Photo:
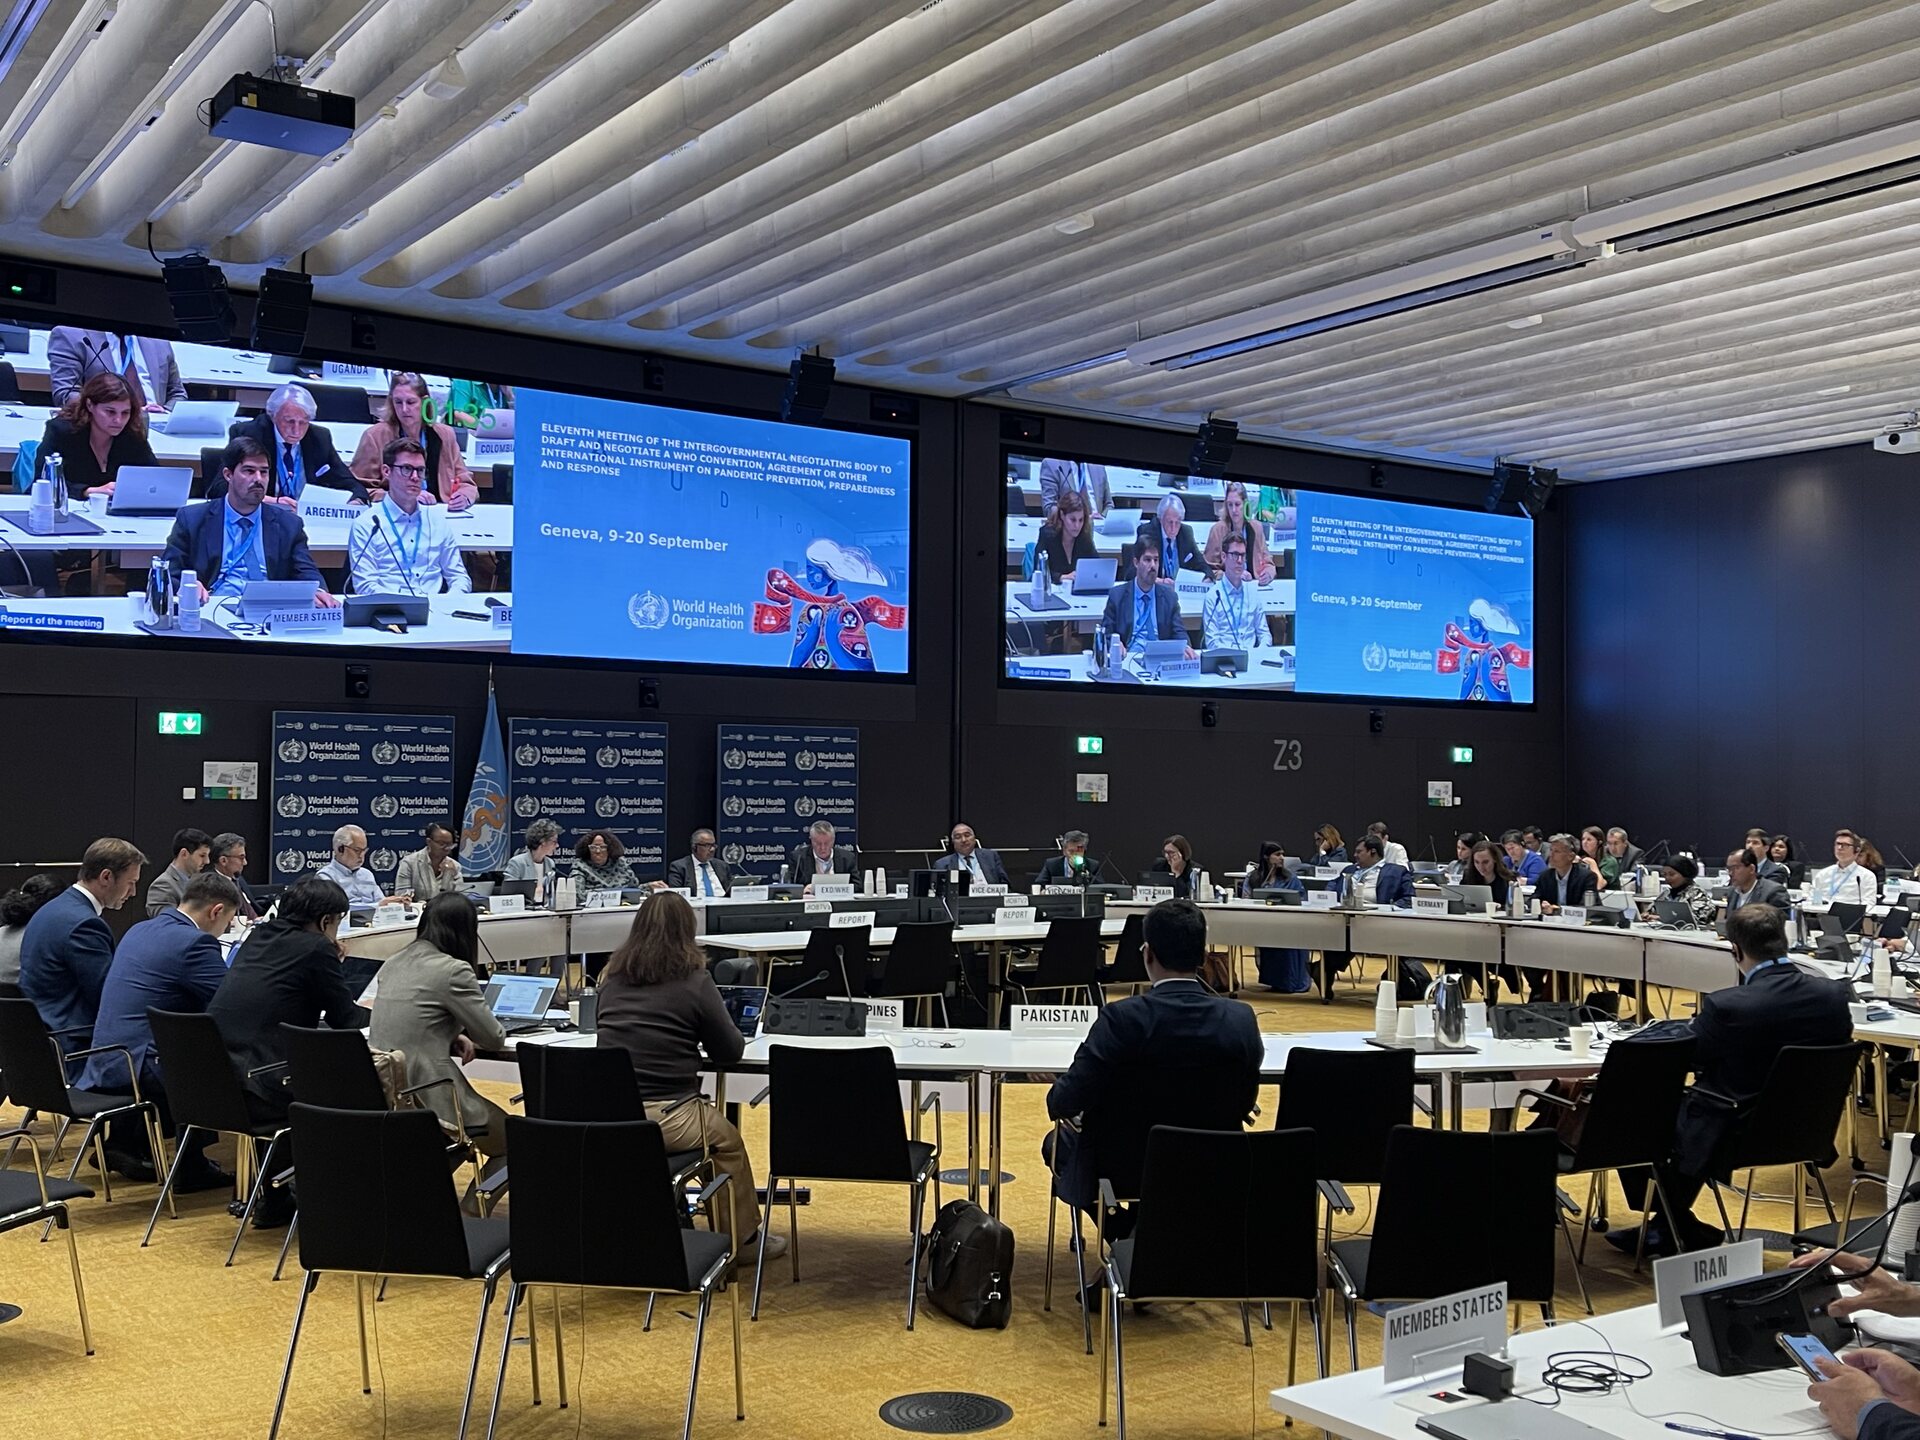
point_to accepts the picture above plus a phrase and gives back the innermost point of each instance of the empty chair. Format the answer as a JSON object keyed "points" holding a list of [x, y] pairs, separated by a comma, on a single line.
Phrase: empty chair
{"points": [[582, 1082], [1456, 1210], [1129, 965], [1070, 958], [835, 962], [34, 1199], [562, 1239], [36, 1077], [1792, 1122], [333, 1068], [346, 403], [1353, 1100], [836, 1116], [920, 964], [204, 1092], [1627, 1125], [1257, 1245], [376, 1200]]}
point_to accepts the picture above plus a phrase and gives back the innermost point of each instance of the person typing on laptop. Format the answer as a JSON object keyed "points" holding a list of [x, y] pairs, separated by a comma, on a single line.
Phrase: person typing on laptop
{"points": [[98, 430], [1066, 538], [239, 539]]}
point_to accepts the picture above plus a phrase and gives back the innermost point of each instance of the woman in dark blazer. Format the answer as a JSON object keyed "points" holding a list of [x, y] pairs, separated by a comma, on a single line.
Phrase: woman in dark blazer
{"points": [[1176, 862], [1067, 536], [1282, 970], [96, 432], [1328, 847]]}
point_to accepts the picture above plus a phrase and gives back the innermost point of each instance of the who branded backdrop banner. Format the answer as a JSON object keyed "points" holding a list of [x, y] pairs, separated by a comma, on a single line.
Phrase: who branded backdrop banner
{"points": [[645, 533], [388, 774], [775, 781], [592, 775]]}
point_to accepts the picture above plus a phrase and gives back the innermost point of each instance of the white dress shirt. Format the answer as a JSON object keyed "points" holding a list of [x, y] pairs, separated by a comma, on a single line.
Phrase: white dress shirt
{"points": [[705, 881], [393, 553], [1394, 853], [1232, 617], [1850, 884], [92, 899]]}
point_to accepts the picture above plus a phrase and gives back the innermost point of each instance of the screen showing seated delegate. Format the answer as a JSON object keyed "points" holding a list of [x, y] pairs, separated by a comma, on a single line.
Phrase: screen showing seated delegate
{"points": [[578, 528], [1336, 594]]}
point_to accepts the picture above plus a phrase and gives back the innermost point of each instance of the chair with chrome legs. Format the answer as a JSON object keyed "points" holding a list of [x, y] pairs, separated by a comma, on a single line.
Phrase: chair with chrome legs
{"points": [[36, 1071], [836, 1116], [1129, 965], [1792, 1122], [1070, 959], [573, 1174], [1626, 1124], [376, 1199], [33, 1200], [1457, 1210], [204, 1092], [1257, 1243]]}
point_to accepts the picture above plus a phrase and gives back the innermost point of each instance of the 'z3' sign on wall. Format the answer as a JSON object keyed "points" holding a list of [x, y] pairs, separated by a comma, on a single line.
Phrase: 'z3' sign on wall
{"points": [[1286, 754]]}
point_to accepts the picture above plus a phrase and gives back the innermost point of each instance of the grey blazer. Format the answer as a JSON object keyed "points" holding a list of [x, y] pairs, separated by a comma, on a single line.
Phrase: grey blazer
{"points": [[416, 874], [165, 891], [75, 356], [425, 1001]]}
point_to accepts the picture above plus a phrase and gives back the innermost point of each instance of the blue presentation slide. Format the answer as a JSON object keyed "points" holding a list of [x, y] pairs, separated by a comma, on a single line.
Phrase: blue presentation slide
{"points": [[644, 533], [1413, 601]]}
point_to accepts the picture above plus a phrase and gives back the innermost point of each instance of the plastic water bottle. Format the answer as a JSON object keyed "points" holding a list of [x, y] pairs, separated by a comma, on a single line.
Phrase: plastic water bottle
{"points": [[1039, 594], [189, 602]]}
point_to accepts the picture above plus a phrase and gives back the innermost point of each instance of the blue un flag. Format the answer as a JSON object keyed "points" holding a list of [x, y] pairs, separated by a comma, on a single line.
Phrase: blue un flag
{"points": [[483, 829]]}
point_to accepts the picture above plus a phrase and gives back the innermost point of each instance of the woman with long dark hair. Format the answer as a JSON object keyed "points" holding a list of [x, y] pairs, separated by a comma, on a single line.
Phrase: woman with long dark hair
{"points": [[1283, 971], [431, 1005], [659, 1004]]}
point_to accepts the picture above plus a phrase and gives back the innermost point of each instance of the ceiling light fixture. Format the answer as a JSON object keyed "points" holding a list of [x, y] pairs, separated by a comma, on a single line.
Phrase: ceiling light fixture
{"points": [[1075, 224], [447, 81], [1526, 322], [1667, 7]]}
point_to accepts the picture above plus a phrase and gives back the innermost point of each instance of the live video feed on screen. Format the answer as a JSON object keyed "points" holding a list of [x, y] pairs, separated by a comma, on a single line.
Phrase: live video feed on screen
{"points": [[203, 493], [1127, 576]]}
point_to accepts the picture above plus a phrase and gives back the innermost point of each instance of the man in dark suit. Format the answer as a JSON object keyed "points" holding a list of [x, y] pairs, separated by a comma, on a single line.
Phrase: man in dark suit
{"points": [[302, 452], [237, 538], [75, 356], [1174, 1055], [229, 855], [703, 872], [820, 856], [1563, 882], [1168, 533], [1738, 1032], [1745, 886], [171, 962], [1389, 884], [66, 949], [1141, 605], [1069, 867], [970, 855]]}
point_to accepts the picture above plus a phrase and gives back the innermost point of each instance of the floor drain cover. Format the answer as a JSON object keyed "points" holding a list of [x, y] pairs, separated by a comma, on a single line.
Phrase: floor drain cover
{"points": [[959, 1177], [945, 1412], [13, 1312]]}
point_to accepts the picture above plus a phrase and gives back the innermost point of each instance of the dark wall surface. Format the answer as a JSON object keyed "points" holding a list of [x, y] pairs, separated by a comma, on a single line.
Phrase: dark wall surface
{"points": [[1740, 651], [950, 742]]}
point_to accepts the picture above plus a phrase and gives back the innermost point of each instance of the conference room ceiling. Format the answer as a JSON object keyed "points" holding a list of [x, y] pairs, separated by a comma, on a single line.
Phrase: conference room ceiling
{"points": [[960, 196]]}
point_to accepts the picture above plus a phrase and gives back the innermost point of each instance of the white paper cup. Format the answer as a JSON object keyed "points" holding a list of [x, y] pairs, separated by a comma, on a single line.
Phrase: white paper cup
{"points": [[1405, 1030], [97, 504], [1581, 1038]]}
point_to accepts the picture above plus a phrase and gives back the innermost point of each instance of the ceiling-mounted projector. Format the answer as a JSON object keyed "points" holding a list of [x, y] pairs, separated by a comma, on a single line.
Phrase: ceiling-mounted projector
{"points": [[255, 110]]}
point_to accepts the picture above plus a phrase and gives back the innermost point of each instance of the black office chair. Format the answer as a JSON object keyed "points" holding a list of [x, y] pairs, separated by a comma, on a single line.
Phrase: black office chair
{"points": [[347, 404], [1257, 1247], [1070, 958], [33, 1200], [1629, 1114], [591, 1210], [1129, 965], [376, 1200], [836, 1116], [210, 483], [835, 962], [1353, 1100], [920, 964], [1116, 1131], [36, 1071], [1489, 1197], [204, 1092], [10, 395], [1792, 1121]]}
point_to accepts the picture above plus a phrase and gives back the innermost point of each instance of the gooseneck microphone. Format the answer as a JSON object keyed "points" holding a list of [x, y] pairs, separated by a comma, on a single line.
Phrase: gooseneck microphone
{"points": [[394, 551]]}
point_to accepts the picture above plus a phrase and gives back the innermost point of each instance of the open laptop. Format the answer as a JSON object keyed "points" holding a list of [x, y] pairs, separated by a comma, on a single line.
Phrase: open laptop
{"points": [[519, 1002], [150, 490], [260, 598], [495, 424], [1094, 575], [1676, 913], [744, 1004], [201, 417]]}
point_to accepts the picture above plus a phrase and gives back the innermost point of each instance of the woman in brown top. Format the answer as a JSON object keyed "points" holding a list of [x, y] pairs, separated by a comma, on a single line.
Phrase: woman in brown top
{"points": [[1235, 525], [658, 1003], [407, 396]]}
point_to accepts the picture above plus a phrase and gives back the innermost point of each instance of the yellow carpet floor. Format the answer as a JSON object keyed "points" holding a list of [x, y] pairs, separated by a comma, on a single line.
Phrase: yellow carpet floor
{"points": [[187, 1347]]}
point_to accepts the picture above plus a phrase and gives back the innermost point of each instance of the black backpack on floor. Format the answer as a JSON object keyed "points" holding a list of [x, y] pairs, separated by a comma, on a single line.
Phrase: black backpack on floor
{"points": [[970, 1266]]}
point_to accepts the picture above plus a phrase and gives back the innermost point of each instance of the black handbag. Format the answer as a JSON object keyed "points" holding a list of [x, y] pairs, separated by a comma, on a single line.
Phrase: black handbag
{"points": [[970, 1266]]}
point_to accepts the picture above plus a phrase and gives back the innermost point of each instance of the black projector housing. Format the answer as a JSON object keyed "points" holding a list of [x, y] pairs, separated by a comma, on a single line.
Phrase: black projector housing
{"points": [[257, 111]]}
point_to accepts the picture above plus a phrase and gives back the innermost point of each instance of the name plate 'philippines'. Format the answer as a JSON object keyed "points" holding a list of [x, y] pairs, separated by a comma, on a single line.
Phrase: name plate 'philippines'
{"points": [[1436, 1335]]}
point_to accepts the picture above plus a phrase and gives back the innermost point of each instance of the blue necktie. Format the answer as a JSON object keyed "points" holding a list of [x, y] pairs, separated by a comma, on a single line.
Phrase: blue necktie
{"points": [[242, 564], [706, 879], [1142, 616]]}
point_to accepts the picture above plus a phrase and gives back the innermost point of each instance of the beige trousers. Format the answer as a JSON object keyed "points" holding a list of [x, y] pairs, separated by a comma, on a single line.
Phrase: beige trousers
{"points": [[690, 1124]]}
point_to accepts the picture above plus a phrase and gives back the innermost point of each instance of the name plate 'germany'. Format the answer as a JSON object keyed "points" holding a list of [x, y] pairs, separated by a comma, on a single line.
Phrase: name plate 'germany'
{"points": [[1429, 904]]}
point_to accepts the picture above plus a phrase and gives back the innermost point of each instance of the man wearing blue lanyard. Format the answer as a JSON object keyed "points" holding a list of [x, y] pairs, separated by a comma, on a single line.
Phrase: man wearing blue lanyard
{"points": [[1737, 1032], [402, 546], [236, 539], [1232, 617], [1142, 609]]}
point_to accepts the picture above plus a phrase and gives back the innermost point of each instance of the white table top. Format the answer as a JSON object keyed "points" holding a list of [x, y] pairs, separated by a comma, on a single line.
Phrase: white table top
{"points": [[1275, 599], [479, 527], [1360, 1407], [445, 630], [773, 941]]}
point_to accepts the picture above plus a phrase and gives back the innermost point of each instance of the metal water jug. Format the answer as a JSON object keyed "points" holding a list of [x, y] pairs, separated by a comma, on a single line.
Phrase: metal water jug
{"points": [[1449, 1000]]}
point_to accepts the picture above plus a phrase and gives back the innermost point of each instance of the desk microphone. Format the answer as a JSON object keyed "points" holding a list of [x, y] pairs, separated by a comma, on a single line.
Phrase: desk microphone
{"points": [[494, 602], [1652, 852]]}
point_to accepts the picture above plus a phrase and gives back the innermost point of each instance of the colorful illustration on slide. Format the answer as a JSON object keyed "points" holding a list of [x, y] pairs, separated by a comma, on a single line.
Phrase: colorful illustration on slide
{"points": [[1471, 651], [829, 628]]}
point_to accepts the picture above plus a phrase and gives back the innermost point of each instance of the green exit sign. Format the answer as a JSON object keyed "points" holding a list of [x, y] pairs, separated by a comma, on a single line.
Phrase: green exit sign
{"points": [[179, 722], [1463, 754], [1089, 744]]}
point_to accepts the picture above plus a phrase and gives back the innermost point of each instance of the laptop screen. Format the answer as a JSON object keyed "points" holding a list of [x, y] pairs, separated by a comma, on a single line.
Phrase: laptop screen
{"points": [[520, 997], [744, 1004]]}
